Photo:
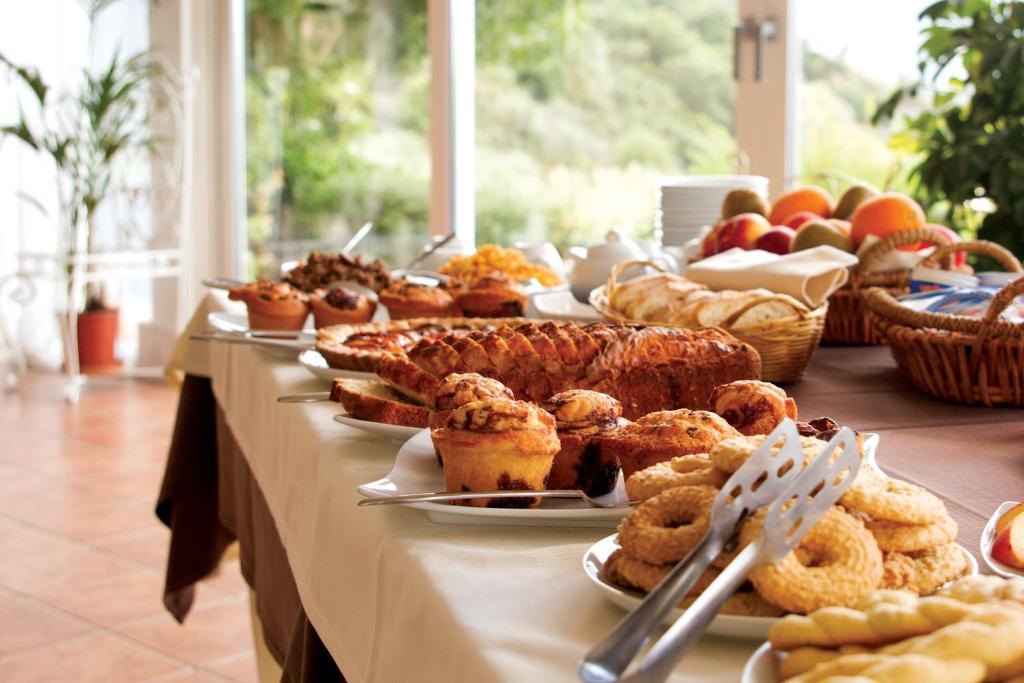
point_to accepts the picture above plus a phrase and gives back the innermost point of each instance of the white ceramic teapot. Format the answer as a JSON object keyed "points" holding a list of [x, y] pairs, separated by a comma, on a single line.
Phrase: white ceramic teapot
{"points": [[589, 267]]}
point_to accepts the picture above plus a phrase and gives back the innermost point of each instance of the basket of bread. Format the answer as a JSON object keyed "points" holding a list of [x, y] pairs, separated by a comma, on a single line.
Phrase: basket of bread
{"points": [[959, 344], [784, 331]]}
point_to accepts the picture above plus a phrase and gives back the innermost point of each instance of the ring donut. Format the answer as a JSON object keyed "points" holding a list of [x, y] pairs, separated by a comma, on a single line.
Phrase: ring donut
{"points": [[836, 563], [685, 470], [893, 537], [665, 528], [892, 500], [625, 570], [729, 454]]}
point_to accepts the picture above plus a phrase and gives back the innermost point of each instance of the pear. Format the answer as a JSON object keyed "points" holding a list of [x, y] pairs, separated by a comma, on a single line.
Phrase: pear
{"points": [[817, 233], [743, 201], [854, 196]]}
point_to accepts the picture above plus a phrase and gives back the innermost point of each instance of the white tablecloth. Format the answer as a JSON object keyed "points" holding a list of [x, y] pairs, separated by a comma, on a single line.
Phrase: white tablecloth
{"points": [[393, 596]]}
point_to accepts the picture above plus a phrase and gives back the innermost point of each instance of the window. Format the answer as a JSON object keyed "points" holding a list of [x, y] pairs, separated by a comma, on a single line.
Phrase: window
{"points": [[581, 106], [336, 99]]}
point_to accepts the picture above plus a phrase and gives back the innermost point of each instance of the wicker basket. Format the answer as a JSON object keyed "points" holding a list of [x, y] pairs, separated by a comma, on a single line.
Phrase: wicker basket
{"points": [[954, 357], [849, 321], [786, 345]]}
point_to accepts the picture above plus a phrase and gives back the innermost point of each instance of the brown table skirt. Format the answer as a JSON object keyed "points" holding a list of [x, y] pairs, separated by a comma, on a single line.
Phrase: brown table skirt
{"points": [[209, 499]]}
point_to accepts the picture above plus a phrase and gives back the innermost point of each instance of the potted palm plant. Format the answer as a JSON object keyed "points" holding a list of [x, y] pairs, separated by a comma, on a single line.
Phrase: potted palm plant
{"points": [[86, 132]]}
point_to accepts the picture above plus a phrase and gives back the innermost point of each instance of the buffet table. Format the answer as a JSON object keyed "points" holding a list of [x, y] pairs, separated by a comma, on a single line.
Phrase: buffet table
{"points": [[385, 594]]}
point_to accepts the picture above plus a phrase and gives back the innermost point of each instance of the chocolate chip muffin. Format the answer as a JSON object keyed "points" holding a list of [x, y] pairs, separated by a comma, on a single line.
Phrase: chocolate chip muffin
{"points": [[581, 417]]}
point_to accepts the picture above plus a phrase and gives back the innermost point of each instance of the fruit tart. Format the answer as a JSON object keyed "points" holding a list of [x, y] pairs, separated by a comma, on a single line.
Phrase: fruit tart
{"points": [[272, 305], [497, 444]]}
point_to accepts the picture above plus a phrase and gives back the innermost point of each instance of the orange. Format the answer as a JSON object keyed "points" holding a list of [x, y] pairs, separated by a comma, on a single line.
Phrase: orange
{"points": [[883, 214], [807, 198]]}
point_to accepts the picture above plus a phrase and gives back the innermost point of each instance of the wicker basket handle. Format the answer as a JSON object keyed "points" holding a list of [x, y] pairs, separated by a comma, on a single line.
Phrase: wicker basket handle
{"points": [[619, 268], [998, 253], [757, 301], [895, 240]]}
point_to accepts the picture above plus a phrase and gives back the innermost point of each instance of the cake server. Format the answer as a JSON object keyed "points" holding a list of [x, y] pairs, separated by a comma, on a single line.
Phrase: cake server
{"points": [[310, 397], [796, 498], [233, 338], [438, 496], [358, 237], [222, 283]]}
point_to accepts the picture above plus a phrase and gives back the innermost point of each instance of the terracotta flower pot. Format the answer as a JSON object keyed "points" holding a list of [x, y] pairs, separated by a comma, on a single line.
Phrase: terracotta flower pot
{"points": [[97, 332]]}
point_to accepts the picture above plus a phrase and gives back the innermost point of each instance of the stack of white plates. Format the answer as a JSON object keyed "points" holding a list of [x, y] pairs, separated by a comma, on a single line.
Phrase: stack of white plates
{"points": [[688, 203]]}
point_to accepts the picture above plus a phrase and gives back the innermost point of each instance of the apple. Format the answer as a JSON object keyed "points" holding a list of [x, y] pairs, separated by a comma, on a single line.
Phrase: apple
{"points": [[1008, 547], [960, 258], [709, 245], [1009, 516], [778, 240], [742, 231], [801, 217]]}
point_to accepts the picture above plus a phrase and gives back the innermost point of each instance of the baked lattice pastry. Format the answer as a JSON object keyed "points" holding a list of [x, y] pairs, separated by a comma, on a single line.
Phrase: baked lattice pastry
{"points": [[646, 368]]}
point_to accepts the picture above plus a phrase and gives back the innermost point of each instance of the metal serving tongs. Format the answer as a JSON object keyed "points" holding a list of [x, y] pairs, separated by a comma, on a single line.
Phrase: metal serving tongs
{"points": [[796, 497]]}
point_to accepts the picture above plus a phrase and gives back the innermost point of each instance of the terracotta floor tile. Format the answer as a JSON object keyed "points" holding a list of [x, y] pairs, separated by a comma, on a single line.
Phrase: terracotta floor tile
{"points": [[26, 495], [27, 623], [212, 632], [56, 564], [191, 675], [141, 485], [96, 658], [122, 599], [149, 545], [89, 522], [240, 667]]}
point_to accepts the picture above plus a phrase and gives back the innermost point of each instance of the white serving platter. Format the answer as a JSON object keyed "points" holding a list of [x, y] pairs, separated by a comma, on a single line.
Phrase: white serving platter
{"points": [[315, 363], [388, 431], [239, 323], [416, 470], [988, 537], [560, 304]]}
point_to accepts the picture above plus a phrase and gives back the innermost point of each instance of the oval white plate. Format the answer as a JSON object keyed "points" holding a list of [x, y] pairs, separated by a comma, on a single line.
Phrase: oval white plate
{"points": [[988, 537], [733, 626], [239, 322], [416, 471], [315, 363], [397, 432]]}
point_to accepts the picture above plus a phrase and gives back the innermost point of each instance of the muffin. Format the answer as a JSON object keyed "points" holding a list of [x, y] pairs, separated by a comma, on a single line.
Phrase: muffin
{"points": [[405, 299], [272, 305], [580, 417], [497, 444], [458, 389], [339, 305], [493, 296], [657, 437]]}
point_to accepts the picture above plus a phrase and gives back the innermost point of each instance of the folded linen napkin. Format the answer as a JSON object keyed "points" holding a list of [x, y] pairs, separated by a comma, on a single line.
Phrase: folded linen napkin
{"points": [[809, 276]]}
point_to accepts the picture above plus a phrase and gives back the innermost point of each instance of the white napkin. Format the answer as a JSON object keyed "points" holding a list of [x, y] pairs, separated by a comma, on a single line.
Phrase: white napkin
{"points": [[810, 275]]}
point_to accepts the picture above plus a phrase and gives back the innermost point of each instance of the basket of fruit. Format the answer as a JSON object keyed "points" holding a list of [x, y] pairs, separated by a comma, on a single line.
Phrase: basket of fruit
{"points": [[956, 357], [784, 331]]}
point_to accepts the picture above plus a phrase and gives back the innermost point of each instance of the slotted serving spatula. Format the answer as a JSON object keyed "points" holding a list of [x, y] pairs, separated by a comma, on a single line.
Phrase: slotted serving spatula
{"points": [[796, 497]]}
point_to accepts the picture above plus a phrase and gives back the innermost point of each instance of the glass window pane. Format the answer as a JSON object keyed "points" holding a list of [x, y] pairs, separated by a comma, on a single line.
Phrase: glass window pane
{"points": [[337, 122], [582, 105], [852, 61]]}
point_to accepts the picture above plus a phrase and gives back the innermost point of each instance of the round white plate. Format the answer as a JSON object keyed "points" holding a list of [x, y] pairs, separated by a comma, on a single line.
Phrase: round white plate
{"points": [[762, 667], [416, 471], [239, 322], [988, 537], [733, 626], [315, 363], [397, 432]]}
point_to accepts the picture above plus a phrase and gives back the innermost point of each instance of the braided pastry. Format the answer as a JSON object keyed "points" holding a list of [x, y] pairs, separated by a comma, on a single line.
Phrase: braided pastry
{"points": [[858, 668], [981, 588], [874, 624], [752, 406]]}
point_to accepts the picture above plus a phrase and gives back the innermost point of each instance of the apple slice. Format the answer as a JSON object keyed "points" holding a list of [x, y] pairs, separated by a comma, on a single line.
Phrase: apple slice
{"points": [[1008, 516], [1008, 546]]}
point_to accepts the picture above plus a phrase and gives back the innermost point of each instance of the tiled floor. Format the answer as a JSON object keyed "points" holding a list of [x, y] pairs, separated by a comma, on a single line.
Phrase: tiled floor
{"points": [[82, 554]]}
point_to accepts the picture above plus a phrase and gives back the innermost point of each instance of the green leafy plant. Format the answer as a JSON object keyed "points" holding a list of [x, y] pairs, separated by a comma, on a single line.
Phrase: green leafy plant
{"points": [[85, 132], [971, 139]]}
